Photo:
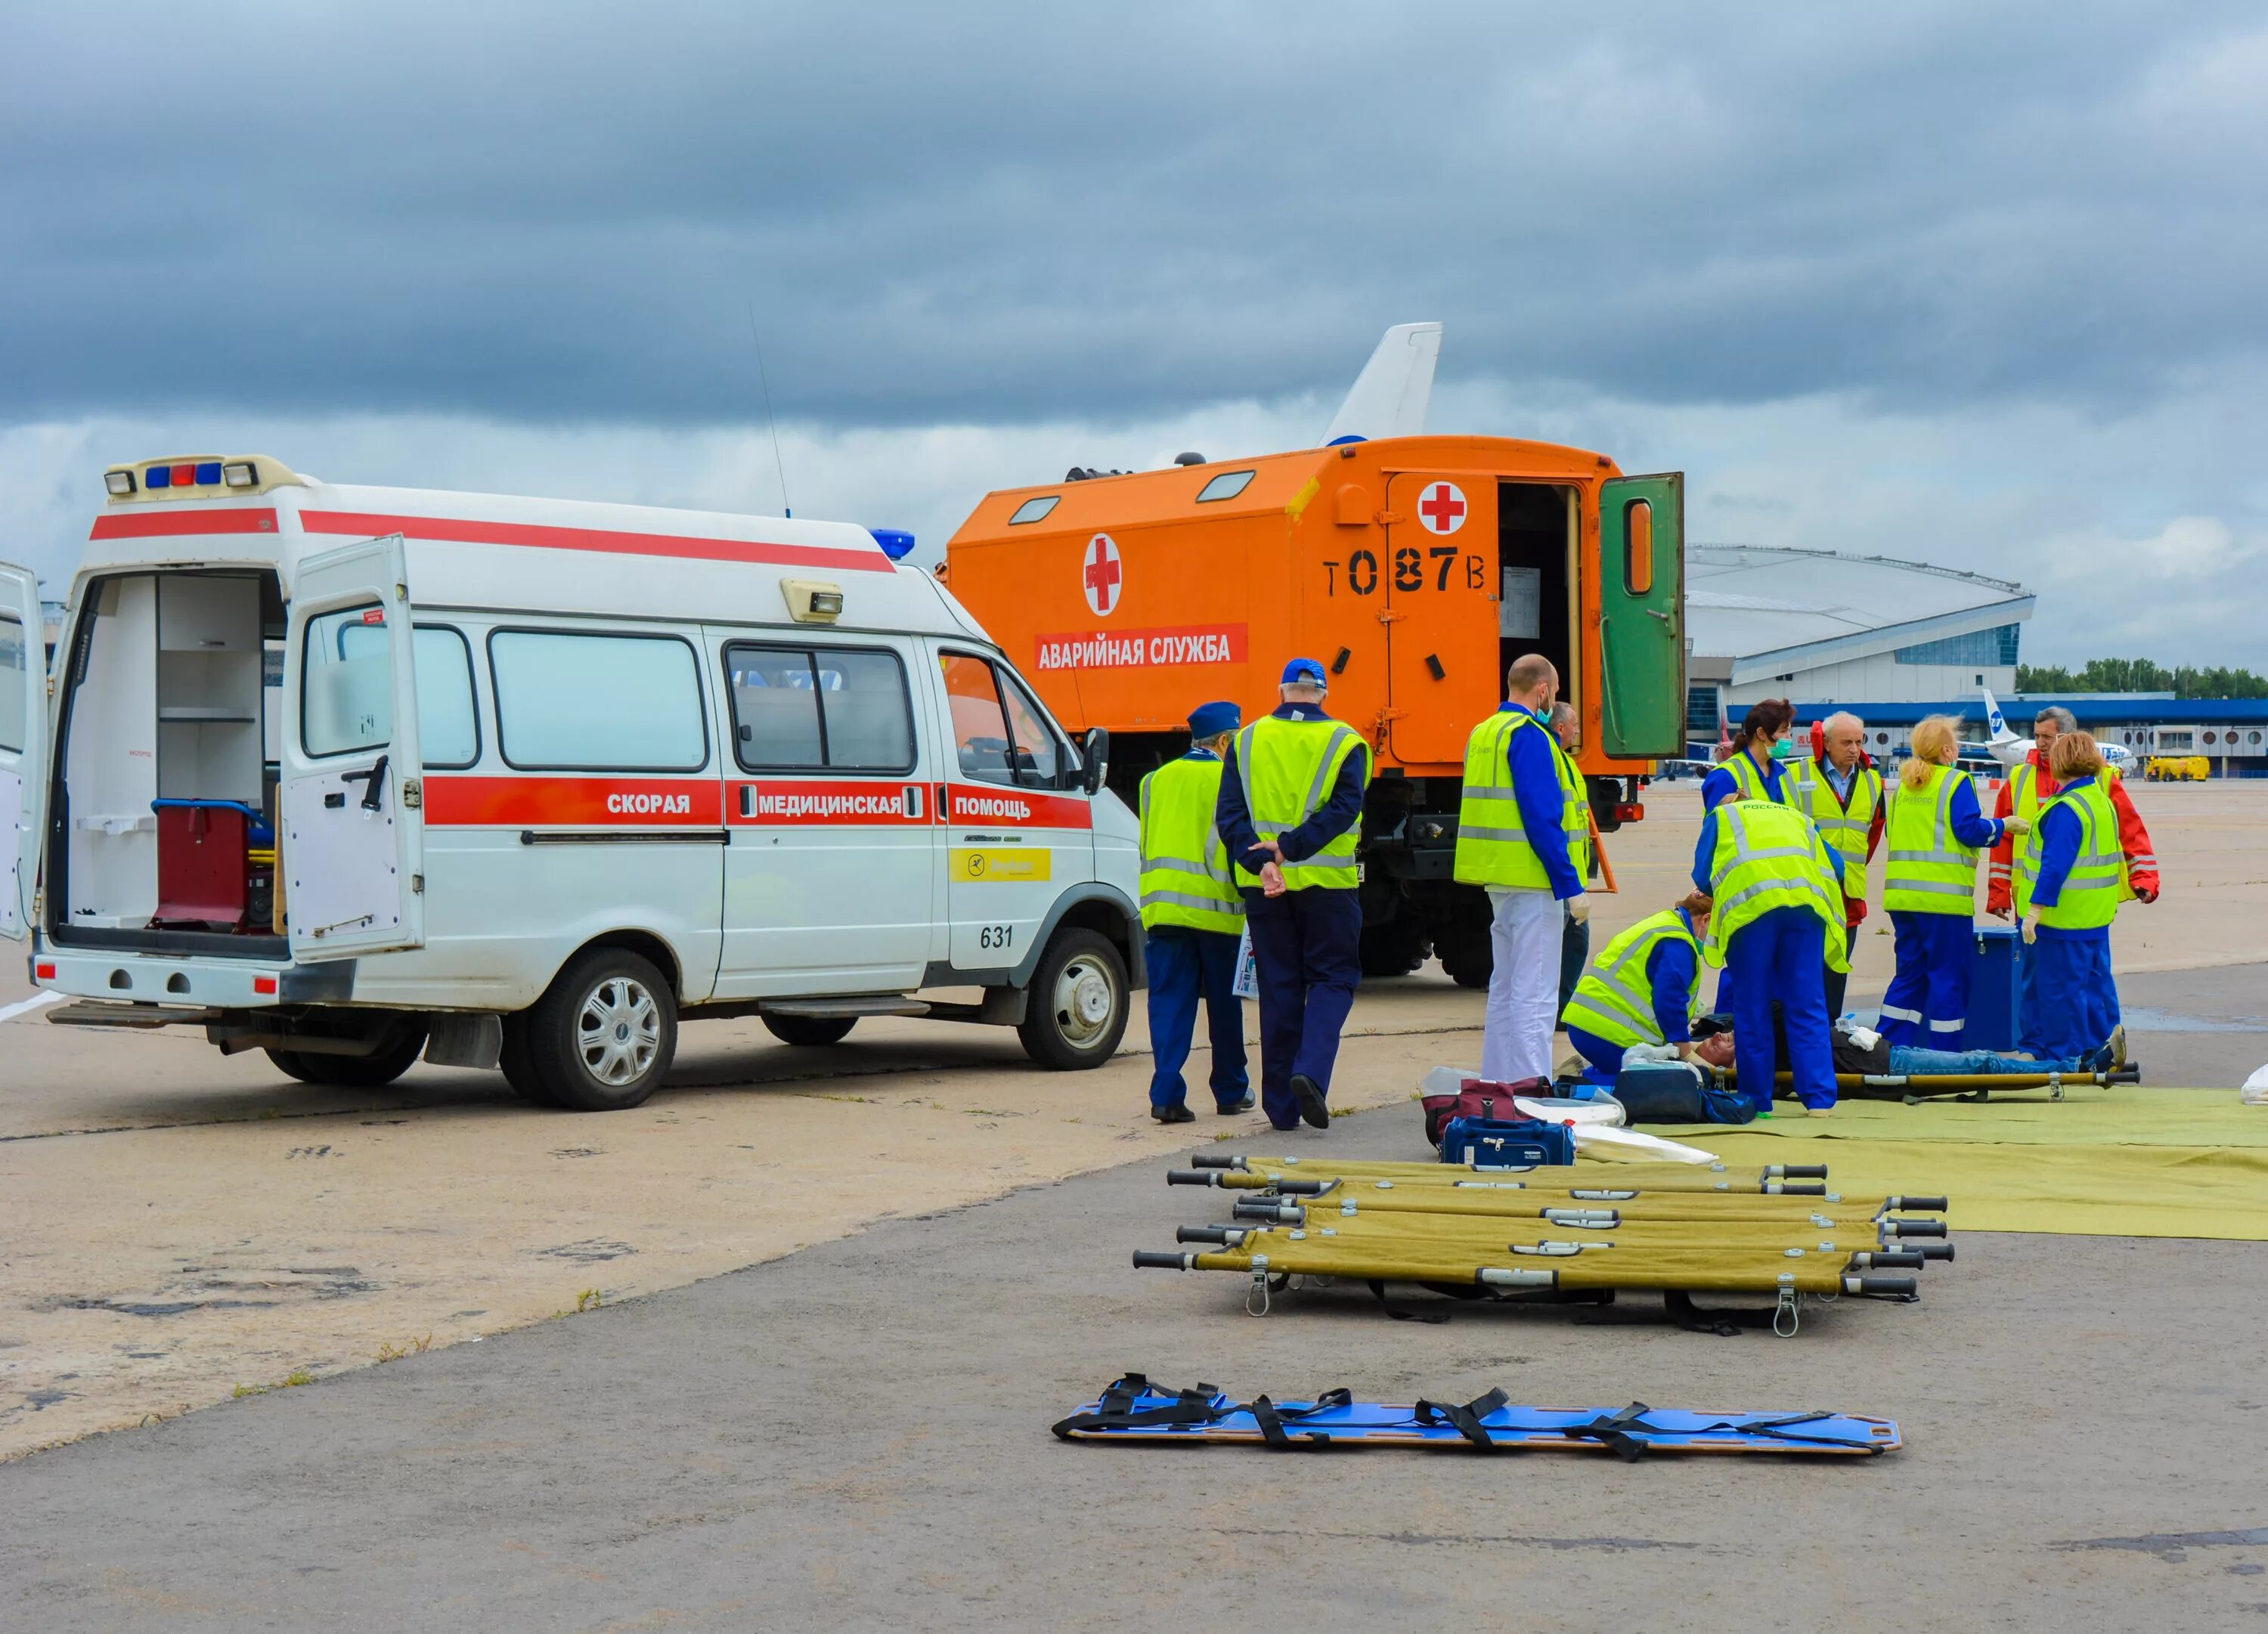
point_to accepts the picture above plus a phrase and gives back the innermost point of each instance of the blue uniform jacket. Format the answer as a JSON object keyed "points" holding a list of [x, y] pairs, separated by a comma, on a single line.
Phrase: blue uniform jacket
{"points": [[1970, 826], [1671, 969], [1534, 782], [1705, 852], [1719, 783], [1337, 815]]}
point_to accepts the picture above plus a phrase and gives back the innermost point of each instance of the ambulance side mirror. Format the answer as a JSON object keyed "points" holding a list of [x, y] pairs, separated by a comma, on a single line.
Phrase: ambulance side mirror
{"points": [[1096, 748]]}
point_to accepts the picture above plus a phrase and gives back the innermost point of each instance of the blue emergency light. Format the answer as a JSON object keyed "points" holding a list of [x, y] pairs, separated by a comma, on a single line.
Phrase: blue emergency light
{"points": [[895, 541]]}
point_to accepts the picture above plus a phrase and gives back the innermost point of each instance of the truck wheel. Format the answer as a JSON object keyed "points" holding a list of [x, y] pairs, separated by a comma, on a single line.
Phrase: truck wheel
{"points": [[1395, 948], [400, 1041], [1076, 1012], [1467, 959], [601, 1037], [811, 1030]]}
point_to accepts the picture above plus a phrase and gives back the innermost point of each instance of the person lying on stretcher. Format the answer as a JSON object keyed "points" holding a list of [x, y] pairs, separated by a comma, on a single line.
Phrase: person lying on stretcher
{"points": [[1861, 1050]]}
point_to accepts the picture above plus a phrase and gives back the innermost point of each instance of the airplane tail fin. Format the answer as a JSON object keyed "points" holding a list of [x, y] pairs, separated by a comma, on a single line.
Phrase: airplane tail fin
{"points": [[1994, 722], [1390, 395]]}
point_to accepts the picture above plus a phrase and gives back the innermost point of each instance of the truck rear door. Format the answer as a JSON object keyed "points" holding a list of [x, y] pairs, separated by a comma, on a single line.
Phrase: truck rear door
{"points": [[1442, 625], [23, 744], [352, 834], [1642, 616]]}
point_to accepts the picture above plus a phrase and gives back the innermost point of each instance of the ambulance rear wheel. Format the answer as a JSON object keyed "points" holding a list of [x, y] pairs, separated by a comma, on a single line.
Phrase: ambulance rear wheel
{"points": [[810, 1030], [1395, 948], [602, 1038], [400, 1041], [519, 1066], [1076, 1007]]}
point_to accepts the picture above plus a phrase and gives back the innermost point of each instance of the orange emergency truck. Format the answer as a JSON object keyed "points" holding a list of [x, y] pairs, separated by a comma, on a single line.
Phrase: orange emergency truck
{"points": [[1415, 569]]}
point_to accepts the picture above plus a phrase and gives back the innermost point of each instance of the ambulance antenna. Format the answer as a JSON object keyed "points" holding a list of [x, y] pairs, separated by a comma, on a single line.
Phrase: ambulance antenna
{"points": [[765, 381]]}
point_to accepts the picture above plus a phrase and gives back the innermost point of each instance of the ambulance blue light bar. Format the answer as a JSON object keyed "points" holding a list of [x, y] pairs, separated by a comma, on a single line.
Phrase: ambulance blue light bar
{"points": [[895, 541]]}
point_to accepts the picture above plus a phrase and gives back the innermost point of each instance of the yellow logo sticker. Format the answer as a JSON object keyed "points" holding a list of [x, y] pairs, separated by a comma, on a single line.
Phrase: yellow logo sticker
{"points": [[1002, 863]]}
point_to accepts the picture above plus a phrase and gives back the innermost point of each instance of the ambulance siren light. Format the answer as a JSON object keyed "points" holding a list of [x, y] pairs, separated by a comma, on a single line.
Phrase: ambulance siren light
{"points": [[896, 543]]}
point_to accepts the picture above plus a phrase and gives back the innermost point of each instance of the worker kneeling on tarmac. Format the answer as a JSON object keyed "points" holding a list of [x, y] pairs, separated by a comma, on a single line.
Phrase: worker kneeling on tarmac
{"points": [[1192, 922], [1777, 928], [1643, 990], [1290, 813]]}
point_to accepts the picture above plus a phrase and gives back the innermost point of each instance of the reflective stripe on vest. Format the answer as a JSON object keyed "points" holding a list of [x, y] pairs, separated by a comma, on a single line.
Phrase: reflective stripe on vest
{"points": [[1845, 828], [1288, 768], [1185, 873], [1615, 998], [1751, 784], [1769, 856], [2090, 894], [1927, 870], [1492, 846]]}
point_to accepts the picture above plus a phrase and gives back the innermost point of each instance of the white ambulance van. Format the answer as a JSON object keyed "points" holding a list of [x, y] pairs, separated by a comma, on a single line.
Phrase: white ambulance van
{"points": [[351, 775]]}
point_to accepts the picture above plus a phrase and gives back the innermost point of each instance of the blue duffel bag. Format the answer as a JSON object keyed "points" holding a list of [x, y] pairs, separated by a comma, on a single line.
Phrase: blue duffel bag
{"points": [[1505, 1142], [1677, 1092]]}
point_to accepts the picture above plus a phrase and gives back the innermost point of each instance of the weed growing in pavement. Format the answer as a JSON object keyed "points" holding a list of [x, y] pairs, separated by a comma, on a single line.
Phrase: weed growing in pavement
{"points": [[395, 1352], [292, 1381], [589, 1299]]}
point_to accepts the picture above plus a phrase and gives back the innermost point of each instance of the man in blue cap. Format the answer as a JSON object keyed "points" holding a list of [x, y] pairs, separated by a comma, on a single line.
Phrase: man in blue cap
{"points": [[1192, 922], [1291, 814]]}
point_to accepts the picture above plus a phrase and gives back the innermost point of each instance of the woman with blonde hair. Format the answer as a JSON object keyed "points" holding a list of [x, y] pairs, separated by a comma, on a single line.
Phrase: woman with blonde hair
{"points": [[1934, 830], [2074, 874]]}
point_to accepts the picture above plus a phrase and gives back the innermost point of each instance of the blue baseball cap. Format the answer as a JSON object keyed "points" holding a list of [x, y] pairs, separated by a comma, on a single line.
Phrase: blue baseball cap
{"points": [[1210, 720], [1304, 670]]}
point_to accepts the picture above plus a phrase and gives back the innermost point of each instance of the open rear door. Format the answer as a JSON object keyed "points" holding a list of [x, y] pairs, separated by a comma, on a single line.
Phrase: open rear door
{"points": [[352, 826], [23, 744], [1642, 616]]}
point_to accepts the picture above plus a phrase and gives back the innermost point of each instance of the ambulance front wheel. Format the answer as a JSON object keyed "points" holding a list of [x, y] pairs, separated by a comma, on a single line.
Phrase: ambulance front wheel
{"points": [[1076, 1010], [601, 1037]]}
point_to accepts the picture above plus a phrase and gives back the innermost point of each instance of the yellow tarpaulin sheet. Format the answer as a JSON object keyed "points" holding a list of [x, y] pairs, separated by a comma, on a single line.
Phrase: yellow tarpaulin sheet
{"points": [[2126, 1161]]}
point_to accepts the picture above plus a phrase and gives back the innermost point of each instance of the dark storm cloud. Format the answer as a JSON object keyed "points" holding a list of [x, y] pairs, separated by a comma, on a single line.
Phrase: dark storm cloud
{"points": [[560, 213]]}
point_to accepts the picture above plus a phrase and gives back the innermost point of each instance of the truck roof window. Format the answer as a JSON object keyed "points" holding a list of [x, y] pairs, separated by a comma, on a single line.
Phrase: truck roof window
{"points": [[1033, 510], [1228, 485]]}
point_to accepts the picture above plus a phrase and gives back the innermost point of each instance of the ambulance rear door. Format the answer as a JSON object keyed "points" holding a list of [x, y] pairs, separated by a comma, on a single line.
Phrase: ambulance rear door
{"points": [[23, 744], [352, 838], [1441, 625], [1017, 825], [1642, 617]]}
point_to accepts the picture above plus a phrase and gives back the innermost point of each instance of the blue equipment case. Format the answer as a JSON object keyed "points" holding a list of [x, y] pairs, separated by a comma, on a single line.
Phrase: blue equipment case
{"points": [[1992, 991], [1505, 1144]]}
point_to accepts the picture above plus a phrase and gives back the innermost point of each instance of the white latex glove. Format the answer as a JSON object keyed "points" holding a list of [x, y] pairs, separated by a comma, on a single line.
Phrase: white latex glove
{"points": [[1578, 908], [2028, 926], [2015, 825]]}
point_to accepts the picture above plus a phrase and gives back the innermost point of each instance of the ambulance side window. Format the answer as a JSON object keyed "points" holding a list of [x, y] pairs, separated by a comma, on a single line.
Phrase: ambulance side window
{"points": [[15, 686], [1038, 753], [448, 725], [346, 690], [803, 708], [571, 701], [980, 725]]}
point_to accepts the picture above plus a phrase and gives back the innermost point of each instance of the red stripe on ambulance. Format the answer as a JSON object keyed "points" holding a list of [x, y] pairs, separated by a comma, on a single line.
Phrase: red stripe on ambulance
{"points": [[371, 524], [831, 805], [1141, 648], [1014, 808], [166, 523], [573, 802]]}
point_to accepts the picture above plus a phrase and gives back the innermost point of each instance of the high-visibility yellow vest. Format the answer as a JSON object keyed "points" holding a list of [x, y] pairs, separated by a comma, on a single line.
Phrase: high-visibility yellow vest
{"points": [[1185, 874], [1750, 782], [1492, 846], [1844, 828], [1615, 998], [2089, 897], [1288, 768], [1928, 870], [1769, 856], [2024, 801]]}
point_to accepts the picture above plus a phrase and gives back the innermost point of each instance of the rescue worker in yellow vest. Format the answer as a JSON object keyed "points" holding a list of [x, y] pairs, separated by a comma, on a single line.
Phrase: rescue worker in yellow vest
{"points": [[1291, 815], [2074, 877], [1778, 891], [1524, 832], [1934, 833], [1645, 989], [1843, 797], [1757, 768], [1192, 922]]}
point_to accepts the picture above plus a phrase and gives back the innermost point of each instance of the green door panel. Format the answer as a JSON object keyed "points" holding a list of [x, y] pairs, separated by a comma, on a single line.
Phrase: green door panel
{"points": [[1642, 616]]}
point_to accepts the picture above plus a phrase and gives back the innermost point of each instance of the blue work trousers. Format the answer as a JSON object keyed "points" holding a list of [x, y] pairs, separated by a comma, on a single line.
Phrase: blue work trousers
{"points": [[1306, 948], [2069, 1005], [1605, 1060], [1781, 953], [1187, 965], [1928, 1003]]}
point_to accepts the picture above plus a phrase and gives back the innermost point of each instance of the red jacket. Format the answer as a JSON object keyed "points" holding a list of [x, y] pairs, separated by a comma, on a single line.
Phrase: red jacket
{"points": [[2133, 839]]}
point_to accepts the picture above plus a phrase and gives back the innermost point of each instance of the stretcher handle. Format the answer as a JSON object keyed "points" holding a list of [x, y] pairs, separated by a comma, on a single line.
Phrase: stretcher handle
{"points": [[1190, 1177], [1303, 1188], [1146, 1260], [1801, 1188], [1920, 1205], [1216, 1160], [1935, 1250], [1892, 1262], [1913, 1229], [1273, 1213], [1894, 1285], [1798, 1171], [1229, 1236]]}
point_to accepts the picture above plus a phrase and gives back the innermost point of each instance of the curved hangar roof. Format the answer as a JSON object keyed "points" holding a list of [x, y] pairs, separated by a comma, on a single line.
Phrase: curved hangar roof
{"points": [[1771, 610]]}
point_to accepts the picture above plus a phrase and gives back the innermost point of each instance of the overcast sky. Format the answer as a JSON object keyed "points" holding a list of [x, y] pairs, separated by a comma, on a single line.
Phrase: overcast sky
{"points": [[1980, 286]]}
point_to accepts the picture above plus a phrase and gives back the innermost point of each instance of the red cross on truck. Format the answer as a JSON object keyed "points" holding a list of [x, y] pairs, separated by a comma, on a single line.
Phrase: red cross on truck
{"points": [[1101, 576], [1443, 508]]}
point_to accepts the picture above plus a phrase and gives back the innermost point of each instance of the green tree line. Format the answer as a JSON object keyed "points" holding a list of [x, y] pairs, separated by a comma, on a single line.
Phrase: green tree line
{"points": [[2141, 676]]}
